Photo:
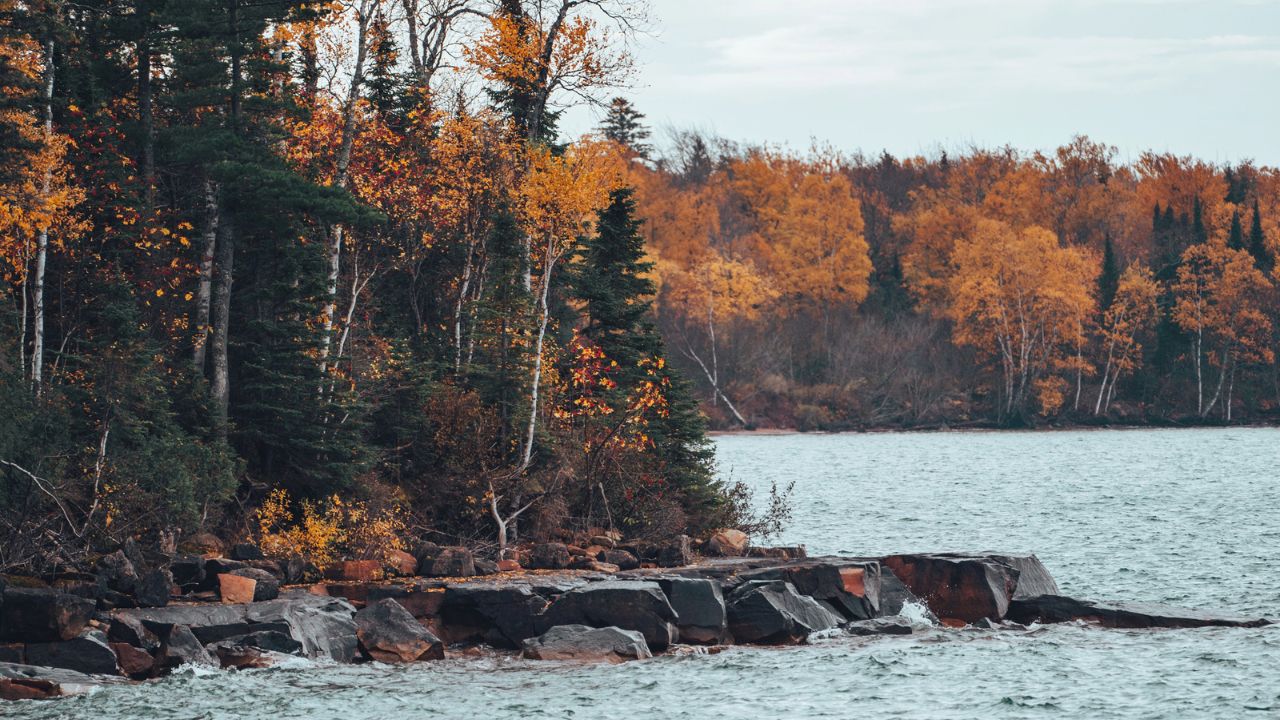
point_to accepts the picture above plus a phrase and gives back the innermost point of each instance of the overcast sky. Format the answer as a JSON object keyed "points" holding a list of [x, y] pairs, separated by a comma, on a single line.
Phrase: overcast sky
{"points": [[1188, 76]]}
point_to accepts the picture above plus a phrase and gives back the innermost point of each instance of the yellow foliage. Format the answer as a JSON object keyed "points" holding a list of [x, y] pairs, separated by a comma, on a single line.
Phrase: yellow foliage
{"points": [[328, 529]]}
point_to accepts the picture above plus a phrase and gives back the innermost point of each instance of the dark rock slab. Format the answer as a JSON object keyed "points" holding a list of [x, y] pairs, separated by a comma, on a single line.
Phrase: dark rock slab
{"points": [[40, 615], [323, 625], [851, 588], [772, 612], [154, 588], [700, 607], [504, 614], [388, 633], [580, 643], [1059, 608], [181, 647], [270, 640], [209, 623], [880, 626], [188, 572], [89, 654], [131, 631], [117, 572], [630, 605], [453, 562]]}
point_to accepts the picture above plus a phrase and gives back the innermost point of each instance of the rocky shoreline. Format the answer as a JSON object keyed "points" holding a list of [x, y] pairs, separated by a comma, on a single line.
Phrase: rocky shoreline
{"points": [[233, 613]]}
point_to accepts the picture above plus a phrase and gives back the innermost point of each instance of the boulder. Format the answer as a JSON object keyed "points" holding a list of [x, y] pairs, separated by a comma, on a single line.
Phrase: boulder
{"points": [[502, 614], [894, 596], [623, 559], [549, 556], [963, 588], [628, 604], [426, 553], [1059, 608], [486, 567], [134, 662], [355, 571], [402, 563], [580, 643], [247, 551], [771, 612], [323, 625], [266, 585], [880, 626], [508, 566], [453, 562], [38, 615], [295, 570], [677, 553], [203, 544], [699, 605], [181, 647], [728, 543], [236, 589], [89, 654], [241, 657], [131, 631], [388, 633], [850, 588], [188, 571], [154, 588], [117, 572], [603, 541]]}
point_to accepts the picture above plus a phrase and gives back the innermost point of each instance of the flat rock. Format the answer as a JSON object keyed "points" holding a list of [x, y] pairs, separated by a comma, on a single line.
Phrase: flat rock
{"points": [[580, 643], [30, 682], [324, 626], [630, 605], [504, 614], [880, 626], [388, 633], [772, 612], [1059, 608], [89, 654]]}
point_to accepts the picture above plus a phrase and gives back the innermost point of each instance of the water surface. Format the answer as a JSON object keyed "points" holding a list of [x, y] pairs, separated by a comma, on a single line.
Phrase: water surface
{"points": [[1179, 516]]}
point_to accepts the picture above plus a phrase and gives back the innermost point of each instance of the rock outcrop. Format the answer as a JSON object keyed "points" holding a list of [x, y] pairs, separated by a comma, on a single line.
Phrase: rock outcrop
{"points": [[627, 604], [964, 588], [1059, 608]]}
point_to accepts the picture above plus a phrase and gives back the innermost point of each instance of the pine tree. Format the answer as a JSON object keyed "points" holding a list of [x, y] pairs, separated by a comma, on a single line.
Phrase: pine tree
{"points": [[623, 125], [1109, 278], [1235, 240], [1258, 242], [385, 85]]}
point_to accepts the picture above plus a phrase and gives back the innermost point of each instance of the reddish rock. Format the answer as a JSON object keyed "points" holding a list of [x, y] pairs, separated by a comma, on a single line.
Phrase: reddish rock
{"points": [[235, 589], [968, 588], [508, 566], [402, 563], [728, 543], [355, 571], [204, 544], [134, 662], [27, 689], [604, 541]]}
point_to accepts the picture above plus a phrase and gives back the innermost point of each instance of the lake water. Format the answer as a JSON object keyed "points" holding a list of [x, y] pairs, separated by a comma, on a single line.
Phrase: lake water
{"points": [[1190, 517]]}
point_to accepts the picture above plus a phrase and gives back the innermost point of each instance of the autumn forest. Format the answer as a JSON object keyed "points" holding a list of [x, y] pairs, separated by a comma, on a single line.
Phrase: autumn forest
{"points": [[338, 261]]}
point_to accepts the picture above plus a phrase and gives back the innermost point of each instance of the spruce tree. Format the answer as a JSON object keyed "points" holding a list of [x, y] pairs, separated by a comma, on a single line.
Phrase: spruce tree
{"points": [[1258, 242], [1235, 240], [622, 124]]}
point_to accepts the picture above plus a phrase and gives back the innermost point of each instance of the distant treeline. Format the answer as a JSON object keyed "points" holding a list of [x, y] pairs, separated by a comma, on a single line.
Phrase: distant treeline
{"points": [[825, 291]]}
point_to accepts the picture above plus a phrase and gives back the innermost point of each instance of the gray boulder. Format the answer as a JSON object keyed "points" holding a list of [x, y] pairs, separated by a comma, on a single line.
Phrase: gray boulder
{"points": [[89, 654], [699, 603], [580, 643], [771, 612], [628, 604]]}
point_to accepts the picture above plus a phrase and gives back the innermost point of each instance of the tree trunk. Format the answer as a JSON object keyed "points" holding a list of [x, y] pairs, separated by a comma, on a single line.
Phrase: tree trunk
{"points": [[146, 116], [204, 290], [221, 388], [42, 239], [526, 455]]}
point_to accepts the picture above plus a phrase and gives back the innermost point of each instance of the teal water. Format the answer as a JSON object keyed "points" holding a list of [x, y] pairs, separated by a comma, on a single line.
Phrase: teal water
{"points": [[1180, 516]]}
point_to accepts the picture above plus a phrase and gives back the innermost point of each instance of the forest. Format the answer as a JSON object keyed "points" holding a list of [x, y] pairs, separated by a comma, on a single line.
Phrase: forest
{"points": [[325, 274]]}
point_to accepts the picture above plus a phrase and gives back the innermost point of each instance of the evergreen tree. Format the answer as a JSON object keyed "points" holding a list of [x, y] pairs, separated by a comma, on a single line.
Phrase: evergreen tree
{"points": [[1199, 233], [622, 124], [1258, 242], [1109, 278], [1235, 240], [385, 85]]}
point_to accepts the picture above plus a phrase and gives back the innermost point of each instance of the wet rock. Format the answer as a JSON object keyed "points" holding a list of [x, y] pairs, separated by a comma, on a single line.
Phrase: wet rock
{"points": [[623, 559], [1059, 608], [630, 605], [236, 589], [388, 633], [580, 643], [728, 543], [771, 612], [154, 588], [270, 640], [355, 571], [266, 585], [181, 647], [134, 662], [88, 654], [894, 596], [231, 656], [28, 682], [502, 614], [188, 572], [39, 615], [700, 607], [324, 626], [850, 588], [963, 588], [402, 563], [453, 562], [247, 551], [549, 556], [880, 626], [116, 571]]}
